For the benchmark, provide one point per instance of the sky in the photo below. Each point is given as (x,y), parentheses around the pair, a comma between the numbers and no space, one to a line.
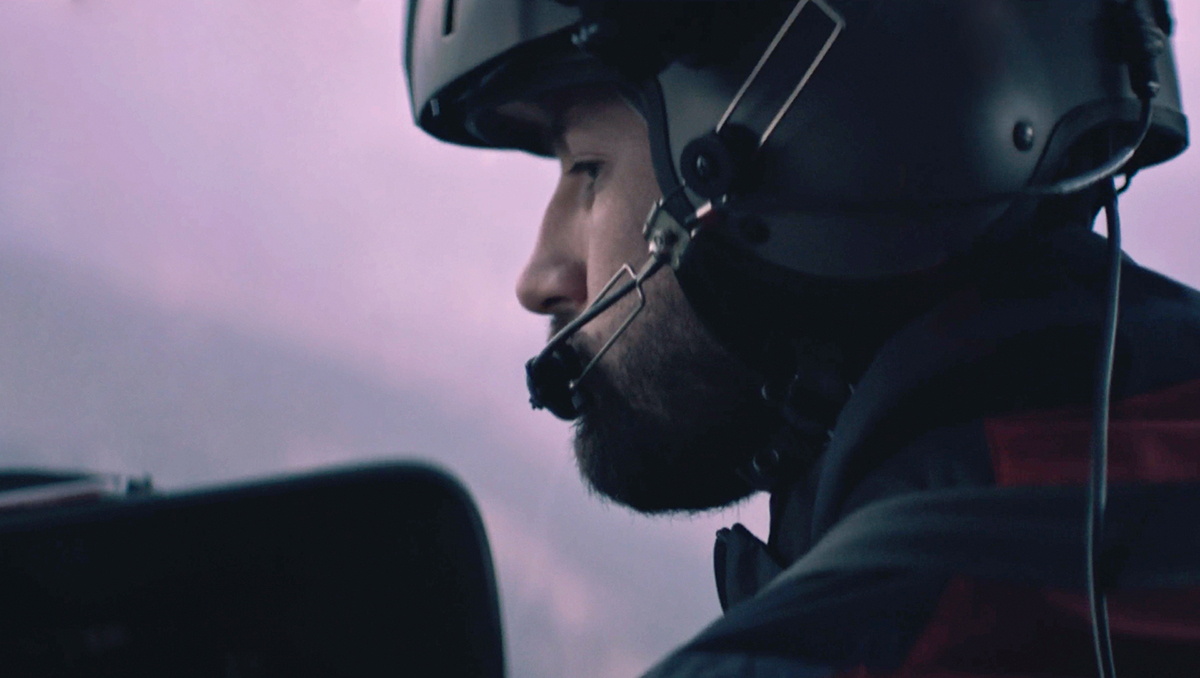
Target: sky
(226,253)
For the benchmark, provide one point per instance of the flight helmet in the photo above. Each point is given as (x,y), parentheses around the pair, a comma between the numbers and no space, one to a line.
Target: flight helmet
(824,145)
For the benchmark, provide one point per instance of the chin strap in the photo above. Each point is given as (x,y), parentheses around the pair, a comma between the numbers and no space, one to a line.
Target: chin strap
(808,400)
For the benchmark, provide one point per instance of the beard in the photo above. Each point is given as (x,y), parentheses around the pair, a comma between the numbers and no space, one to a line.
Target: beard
(669,418)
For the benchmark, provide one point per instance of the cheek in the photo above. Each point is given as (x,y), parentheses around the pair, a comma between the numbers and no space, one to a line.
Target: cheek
(615,238)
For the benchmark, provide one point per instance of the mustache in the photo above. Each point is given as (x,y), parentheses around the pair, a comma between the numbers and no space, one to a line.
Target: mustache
(557,322)
(574,345)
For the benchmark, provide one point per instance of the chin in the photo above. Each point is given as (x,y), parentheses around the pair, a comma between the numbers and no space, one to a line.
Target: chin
(669,417)
(655,463)
(637,478)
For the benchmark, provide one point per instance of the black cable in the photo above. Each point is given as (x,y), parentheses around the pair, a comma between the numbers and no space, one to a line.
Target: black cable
(1142,41)
(1106,171)
(1098,480)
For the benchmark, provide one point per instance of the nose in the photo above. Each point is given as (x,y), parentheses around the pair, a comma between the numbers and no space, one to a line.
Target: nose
(555,279)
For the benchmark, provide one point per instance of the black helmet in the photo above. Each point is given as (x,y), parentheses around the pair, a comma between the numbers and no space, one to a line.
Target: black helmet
(866,137)
(830,142)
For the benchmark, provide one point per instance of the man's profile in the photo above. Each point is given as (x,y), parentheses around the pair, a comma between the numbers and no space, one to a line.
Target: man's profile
(669,415)
(841,251)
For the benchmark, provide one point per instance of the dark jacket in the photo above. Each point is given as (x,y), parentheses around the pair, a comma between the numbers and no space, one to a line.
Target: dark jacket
(941,532)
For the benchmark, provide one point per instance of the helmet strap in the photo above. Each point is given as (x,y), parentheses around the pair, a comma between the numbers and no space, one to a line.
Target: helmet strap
(808,392)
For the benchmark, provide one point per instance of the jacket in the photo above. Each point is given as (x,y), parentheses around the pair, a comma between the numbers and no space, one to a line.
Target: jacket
(940,533)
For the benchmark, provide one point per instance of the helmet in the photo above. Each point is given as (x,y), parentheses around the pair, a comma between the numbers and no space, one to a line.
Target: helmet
(866,140)
(830,144)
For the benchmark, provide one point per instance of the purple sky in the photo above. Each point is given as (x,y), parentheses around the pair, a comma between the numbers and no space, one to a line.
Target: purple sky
(225,252)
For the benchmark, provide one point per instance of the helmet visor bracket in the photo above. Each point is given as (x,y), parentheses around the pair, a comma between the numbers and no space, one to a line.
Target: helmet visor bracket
(714,163)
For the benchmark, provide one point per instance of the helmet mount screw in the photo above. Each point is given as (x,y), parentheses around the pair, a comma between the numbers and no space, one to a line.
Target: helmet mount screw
(710,164)
(1024,136)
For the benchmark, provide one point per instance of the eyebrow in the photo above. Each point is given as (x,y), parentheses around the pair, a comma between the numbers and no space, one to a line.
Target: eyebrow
(557,134)
(560,113)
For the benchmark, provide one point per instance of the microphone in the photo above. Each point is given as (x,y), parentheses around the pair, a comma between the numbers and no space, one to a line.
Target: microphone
(554,374)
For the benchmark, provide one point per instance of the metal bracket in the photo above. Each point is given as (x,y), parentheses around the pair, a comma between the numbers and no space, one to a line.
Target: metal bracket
(820,16)
(667,239)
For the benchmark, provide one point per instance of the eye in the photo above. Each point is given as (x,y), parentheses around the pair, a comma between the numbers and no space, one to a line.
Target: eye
(589,167)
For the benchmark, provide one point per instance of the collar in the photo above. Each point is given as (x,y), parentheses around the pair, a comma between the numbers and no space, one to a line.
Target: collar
(810,480)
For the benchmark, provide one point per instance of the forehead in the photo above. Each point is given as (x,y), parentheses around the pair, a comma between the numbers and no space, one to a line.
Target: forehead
(592,115)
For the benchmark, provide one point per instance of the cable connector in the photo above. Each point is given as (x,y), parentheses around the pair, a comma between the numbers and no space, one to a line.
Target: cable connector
(1141,41)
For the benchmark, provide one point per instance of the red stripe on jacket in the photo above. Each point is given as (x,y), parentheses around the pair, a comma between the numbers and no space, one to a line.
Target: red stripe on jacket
(983,628)
(1154,438)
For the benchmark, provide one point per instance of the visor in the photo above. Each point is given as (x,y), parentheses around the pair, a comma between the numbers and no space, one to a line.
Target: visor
(465,59)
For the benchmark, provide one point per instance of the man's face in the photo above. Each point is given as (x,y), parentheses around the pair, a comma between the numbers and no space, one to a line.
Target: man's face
(668,414)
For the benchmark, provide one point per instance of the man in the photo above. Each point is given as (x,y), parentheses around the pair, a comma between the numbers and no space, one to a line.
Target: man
(871,290)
